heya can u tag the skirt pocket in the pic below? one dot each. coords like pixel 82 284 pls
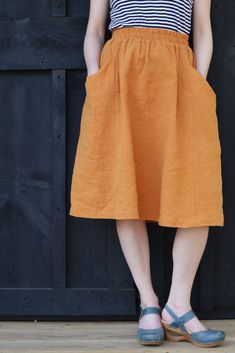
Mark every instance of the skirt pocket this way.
pixel 106 59
pixel 198 79
pixel 203 81
pixel 203 94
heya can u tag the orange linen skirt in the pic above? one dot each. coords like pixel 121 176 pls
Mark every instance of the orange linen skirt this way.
pixel 149 144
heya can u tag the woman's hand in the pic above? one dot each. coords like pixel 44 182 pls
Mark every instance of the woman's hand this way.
pixel 92 72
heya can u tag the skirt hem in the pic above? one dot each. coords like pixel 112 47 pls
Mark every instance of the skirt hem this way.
pixel 215 221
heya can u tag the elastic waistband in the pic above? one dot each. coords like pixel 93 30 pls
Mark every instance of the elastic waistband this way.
pixel 151 33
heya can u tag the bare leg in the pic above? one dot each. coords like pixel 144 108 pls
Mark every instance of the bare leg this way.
pixel 189 245
pixel 134 242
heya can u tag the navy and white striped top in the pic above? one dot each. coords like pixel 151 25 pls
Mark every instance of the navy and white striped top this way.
pixel 169 14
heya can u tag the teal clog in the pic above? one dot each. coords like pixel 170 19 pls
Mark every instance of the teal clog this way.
pixel 176 331
pixel 150 336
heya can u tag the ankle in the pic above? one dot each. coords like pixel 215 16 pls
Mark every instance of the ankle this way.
pixel 179 306
pixel 146 302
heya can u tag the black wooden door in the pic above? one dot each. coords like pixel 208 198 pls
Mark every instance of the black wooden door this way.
pixel 54 265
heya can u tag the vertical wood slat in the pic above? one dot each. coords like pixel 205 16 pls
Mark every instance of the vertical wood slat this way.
pixel 207 276
pixel 118 274
pixel 59 165
pixel 159 259
pixel 59 8
pixel 59 185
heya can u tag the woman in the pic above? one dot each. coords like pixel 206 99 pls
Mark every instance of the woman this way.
pixel 149 148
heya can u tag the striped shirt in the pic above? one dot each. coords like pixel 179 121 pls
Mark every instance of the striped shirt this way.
pixel 169 14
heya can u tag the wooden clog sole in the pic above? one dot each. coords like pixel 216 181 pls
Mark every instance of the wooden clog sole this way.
pixel 176 335
pixel 149 343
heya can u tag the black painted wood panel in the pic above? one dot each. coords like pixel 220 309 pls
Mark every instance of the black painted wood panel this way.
pixel 55 266
pixel 51 266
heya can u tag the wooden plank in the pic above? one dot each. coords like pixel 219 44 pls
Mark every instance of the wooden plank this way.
pixel 42 43
pixel 16 9
pixel 95 337
pixel 48 303
pixel 206 276
pixel 159 256
pixel 25 182
pixel 58 175
pixel 118 275
pixel 59 7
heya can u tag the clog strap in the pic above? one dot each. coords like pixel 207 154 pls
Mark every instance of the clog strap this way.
pixel 150 310
pixel 187 316
pixel 179 321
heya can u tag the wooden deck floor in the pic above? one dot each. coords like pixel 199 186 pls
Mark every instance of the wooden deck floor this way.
pixel 95 337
